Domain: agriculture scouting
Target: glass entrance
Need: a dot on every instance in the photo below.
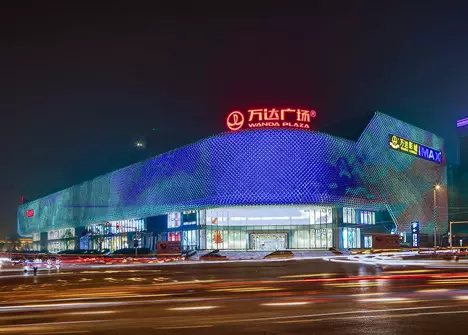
(265, 241)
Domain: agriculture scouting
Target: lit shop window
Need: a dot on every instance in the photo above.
(173, 236)
(368, 241)
(53, 235)
(351, 237)
(321, 216)
(173, 220)
(116, 227)
(66, 233)
(367, 217)
(36, 237)
(189, 238)
(349, 215)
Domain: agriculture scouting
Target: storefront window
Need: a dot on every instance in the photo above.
(189, 239)
(350, 238)
(173, 220)
(117, 227)
(267, 228)
(367, 217)
(173, 236)
(53, 235)
(248, 216)
(59, 245)
(349, 215)
(267, 238)
(114, 242)
(321, 216)
(36, 237)
(367, 241)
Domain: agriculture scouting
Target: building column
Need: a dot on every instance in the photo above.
(336, 229)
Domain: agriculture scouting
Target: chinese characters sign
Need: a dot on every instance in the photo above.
(415, 149)
(30, 213)
(270, 118)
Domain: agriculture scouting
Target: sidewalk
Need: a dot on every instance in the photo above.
(256, 255)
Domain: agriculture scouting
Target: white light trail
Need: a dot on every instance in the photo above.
(193, 308)
(296, 303)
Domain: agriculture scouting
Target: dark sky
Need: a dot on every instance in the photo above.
(80, 82)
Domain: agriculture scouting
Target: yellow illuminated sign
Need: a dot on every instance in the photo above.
(415, 149)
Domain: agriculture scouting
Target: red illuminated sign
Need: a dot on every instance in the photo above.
(270, 118)
(30, 213)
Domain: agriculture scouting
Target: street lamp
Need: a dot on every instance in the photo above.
(436, 188)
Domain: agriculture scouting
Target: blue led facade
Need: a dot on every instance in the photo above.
(261, 167)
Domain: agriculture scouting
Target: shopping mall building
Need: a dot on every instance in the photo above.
(269, 182)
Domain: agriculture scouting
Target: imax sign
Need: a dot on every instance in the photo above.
(415, 149)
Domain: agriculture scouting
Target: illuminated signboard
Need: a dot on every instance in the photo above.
(30, 213)
(270, 118)
(462, 123)
(415, 233)
(415, 149)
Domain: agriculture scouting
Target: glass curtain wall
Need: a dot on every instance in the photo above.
(111, 235)
(350, 238)
(268, 228)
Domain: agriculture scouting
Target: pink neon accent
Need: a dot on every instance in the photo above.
(462, 122)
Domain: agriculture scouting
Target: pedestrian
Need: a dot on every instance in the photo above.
(37, 261)
(57, 264)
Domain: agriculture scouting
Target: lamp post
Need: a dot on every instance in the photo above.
(436, 188)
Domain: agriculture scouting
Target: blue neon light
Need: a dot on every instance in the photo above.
(257, 167)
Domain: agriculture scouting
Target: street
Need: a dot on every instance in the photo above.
(275, 297)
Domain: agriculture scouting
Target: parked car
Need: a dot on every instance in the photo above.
(286, 254)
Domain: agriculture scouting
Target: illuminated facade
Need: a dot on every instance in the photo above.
(263, 188)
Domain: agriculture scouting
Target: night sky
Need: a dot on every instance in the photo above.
(81, 82)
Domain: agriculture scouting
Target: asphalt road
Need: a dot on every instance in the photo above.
(285, 297)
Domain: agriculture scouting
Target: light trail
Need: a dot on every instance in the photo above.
(295, 303)
(360, 317)
(192, 308)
